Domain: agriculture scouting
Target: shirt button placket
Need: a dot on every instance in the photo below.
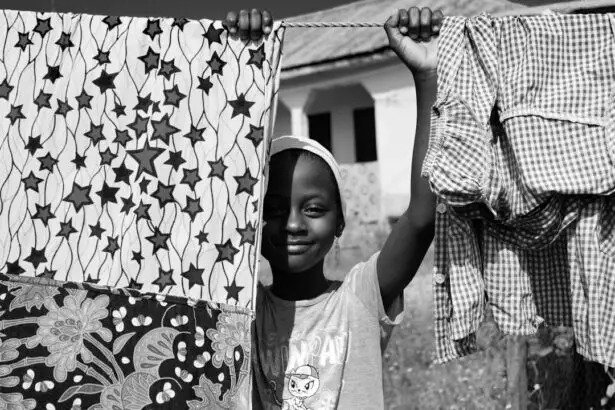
(439, 278)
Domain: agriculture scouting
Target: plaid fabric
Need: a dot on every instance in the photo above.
(549, 80)
(448, 347)
(592, 263)
(524, 223)
(475, 268)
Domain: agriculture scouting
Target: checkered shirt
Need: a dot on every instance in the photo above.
(591, 248)
(550, 80)
(475, 266)
(522, 165)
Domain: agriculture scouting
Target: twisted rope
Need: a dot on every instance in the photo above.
(329, 24)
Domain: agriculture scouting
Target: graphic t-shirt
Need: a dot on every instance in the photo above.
(323, 353)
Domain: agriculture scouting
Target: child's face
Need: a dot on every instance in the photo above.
(301, 213)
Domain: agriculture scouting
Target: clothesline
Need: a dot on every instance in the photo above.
(329, 24)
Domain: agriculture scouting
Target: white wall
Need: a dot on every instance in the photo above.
(340, 102)
(342, 138)
(390, 89)
(282, 121)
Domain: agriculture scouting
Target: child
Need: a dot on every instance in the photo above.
(317, 343)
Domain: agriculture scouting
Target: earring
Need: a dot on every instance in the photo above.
(337, 250)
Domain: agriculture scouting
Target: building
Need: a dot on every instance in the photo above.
(346, 88)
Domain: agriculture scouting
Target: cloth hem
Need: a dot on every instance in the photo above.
(127, 292)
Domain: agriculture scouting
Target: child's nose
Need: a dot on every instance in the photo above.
(295, 221)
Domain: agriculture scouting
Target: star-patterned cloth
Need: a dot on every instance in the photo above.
(132, 152)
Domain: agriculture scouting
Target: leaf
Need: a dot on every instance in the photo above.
(153, 348)
(29, 296)
(121, 341)
(87, 388)
(135, 391)
(111, 397)
(9, 381)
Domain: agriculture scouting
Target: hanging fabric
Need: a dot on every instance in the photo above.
(132, 153)
(521, 159)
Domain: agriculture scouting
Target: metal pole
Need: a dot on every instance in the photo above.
(53, 5)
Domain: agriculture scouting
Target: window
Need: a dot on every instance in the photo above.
(320, 128)
(365, 134)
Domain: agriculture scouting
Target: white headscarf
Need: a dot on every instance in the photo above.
(306, 144)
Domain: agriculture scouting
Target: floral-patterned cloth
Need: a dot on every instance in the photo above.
(132, 152)
(89, 347)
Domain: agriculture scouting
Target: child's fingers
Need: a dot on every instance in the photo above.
(256, 29)
(392, 21)
(244, 24)
(404, 20)
(437, 18)
(391, 27)
(414, 26)
(267, 22)
(230, 22)
(425, 23)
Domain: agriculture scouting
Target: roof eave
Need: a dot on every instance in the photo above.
(385, 55)
(564, 7)
(376, 57)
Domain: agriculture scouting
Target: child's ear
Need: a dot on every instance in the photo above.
(340, 229)
(341, 224)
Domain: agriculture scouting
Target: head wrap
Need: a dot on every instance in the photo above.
(306, 144)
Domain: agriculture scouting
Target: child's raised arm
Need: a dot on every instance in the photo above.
(411, 35)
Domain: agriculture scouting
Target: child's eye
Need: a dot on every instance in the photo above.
(315, 211)
(273, 210)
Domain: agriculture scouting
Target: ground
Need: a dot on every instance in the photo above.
(411, 379)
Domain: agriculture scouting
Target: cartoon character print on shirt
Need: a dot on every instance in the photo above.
(303, 382)
(319, 355)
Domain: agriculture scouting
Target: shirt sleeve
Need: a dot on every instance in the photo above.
(363, 282)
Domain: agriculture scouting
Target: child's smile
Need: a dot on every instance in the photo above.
(297, 247)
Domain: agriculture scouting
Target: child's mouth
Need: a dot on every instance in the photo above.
(297, 249)
(294, 247)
